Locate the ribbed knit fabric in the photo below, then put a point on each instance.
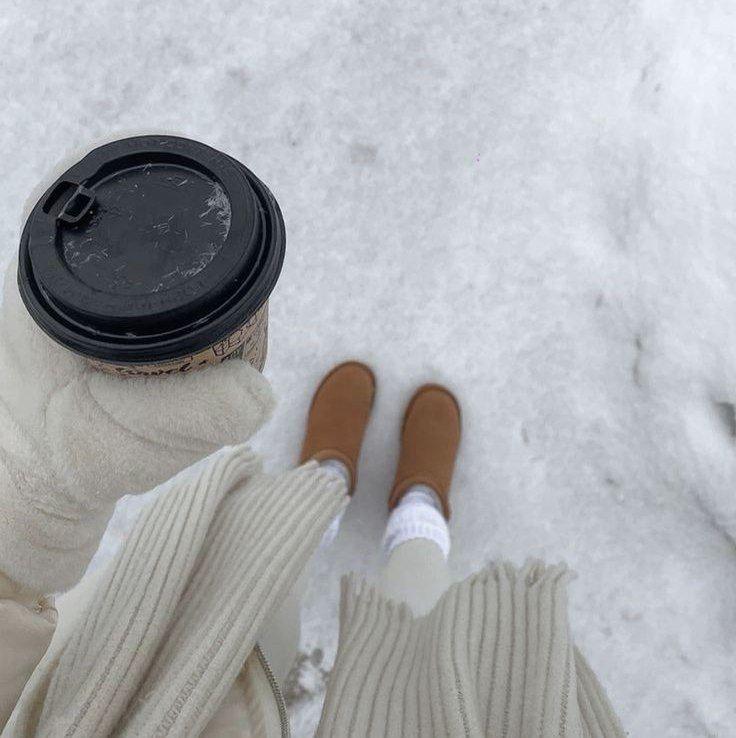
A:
(179, 610)
(337, 469)
(494, 658)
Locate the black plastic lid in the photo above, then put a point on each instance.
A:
(150, 248)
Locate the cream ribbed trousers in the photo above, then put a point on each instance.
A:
(416, 573)
(493, 657)
(490, 656)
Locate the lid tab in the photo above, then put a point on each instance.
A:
(77, 206)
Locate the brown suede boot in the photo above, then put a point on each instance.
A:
(339, 415)
(430, 438)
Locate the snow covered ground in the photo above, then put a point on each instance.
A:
(530, 201)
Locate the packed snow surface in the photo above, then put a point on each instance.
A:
(532, 202)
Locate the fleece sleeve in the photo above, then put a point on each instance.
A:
(27, 623)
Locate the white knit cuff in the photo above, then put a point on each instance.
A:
(416, 519)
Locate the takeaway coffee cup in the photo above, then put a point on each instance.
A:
(154, 255)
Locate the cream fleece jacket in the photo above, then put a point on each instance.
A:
(73, 440)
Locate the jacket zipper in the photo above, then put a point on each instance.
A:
(277, 693)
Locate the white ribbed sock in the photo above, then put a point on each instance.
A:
(338, 470)
(418, 515)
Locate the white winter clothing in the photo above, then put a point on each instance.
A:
(166, 645)
(173, 623)
(74, 440)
